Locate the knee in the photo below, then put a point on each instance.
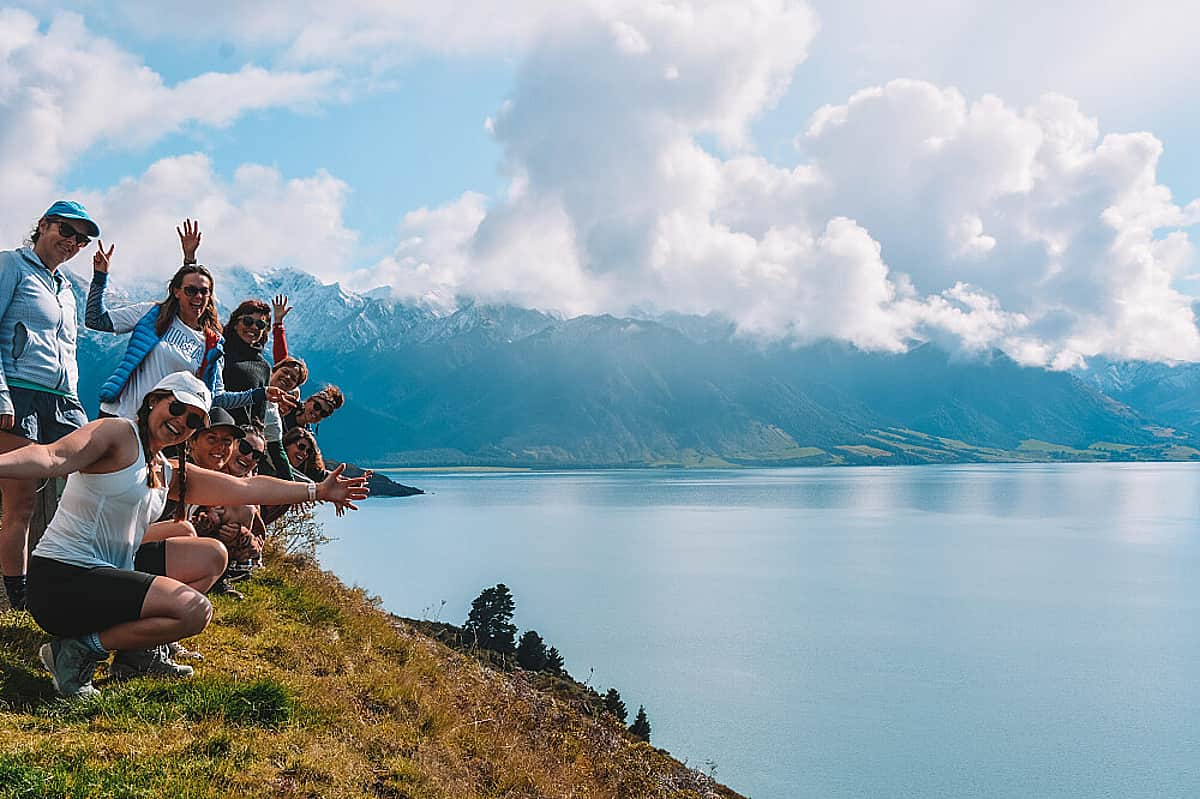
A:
(187, 529)
(218, 556)
(197, 613)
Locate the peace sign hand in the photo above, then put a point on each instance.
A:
(100, 261)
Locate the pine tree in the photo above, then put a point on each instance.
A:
(614, 705)
(554, 663)
(489, 624)
(531, 651)
(641, 725)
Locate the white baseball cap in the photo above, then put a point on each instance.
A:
(188, 389)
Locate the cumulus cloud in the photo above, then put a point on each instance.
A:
(65, 90)
(258, 219)
(914, 212)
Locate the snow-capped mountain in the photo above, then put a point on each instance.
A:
(498, 384)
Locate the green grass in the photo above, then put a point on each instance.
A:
(262, 703)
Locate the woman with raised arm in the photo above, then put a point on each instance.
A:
(83, 587)
(180, 333)
(246, 369)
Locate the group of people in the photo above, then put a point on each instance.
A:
(201, 442)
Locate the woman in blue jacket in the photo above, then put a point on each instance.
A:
(180, 334)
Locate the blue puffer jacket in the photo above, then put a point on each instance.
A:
(142, 339)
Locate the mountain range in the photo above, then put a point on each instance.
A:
(499, 385)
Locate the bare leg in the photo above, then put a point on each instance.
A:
(17, 498)
(198, 562)
(161, 531)
(170, 611)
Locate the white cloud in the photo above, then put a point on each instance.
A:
(916, 212)
(258, 219)
(65, 90)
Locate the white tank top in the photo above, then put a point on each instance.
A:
(101, 518)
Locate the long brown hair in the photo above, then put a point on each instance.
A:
(152, 479)
(314, 462)
(168, 309)
(247, 308)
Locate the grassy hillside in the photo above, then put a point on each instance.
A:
(310, 690)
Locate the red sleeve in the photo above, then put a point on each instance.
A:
(279, 342)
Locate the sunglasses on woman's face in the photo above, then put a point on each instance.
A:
(248, 449)
(67, 232)
(194, 420)
(324, 411)
(301, 445)
(197, 291)
(249, 321)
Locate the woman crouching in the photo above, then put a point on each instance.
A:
(83, 587)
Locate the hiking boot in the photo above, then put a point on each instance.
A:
(222, 588)
(72, 665)
(177, 651)
(147, 663)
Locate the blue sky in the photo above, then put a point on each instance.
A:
(985, 174)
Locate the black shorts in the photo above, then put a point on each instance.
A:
(67, 600)
(43, 417)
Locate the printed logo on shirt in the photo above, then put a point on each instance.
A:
(184, 342)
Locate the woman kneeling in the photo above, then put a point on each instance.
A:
(83, 584)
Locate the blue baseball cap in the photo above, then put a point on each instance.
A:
(69, 209)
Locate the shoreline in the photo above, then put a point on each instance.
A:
(459, 469)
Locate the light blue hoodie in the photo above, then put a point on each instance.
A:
(37, 326)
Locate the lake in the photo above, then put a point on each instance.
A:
(968, 631)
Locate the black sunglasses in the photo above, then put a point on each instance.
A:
(246, 449)
(68, 232)
(250, 321)
(324, 410)
(301, 445)
(194, 420)
(197, 291)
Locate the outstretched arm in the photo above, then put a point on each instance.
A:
(205, 487)
(99, 446)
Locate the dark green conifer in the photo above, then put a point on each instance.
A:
(641, 725)
(531, 651)
(554, 662)
(614, 705)
(489, 624)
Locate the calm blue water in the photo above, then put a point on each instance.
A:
(980, 631)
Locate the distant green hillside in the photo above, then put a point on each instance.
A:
(512, 387)
(599, 391)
